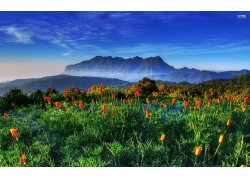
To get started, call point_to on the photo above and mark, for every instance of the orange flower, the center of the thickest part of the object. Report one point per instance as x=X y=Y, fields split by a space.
x=14 y=133
x=124 y=101
x=58 y=105
x=5 y=115
x=67 y=107
x=221 y=138
x=65 y=92
x=218 y=100
x=147 y=113
x=188 y=100
x=76 y=103
x=173 y=100
x=104 y=109
x=100 y=92
x=112 y=96
x=209 y=103
x=153 y=101
x=185 y=103
x=13 y=105
x=147 y=100
x=81 y=105
x=245 y=99
x=164 y=105
x=229 y=97
x=198 y=150
x=163 y=137
x=93 y=101
x=198 y=104
x=44 y=97
x=235 y=109
x=243 y=165
x=228 y=122
x=48 y=99
x=22 y=160
x=245 y=121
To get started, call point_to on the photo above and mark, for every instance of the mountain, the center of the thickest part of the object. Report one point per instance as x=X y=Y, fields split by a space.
x=60 y=82
x=134 y=69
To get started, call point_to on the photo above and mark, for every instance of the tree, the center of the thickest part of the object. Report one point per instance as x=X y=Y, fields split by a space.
x=147 y=86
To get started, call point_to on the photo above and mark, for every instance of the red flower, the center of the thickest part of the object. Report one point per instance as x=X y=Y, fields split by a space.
x=153 y=101
x=198 y=104
x=209 y=103
x=44 y=97
x=245 y=99
x=228 y=122
x=5 y=115
x=138 y=93
x=58 y=105
x=130 y=102
x=67 y=107
x=13 y=105
x=218 y=100
x=48 y=99
x=14 y=133
x=229 y=97
x=65 y=92
x=147 y=100
x=124 y=101
x=73 y=99
x=164 y=105
x=93 y=102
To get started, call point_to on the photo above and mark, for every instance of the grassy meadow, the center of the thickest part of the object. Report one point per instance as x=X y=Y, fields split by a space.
x=111 y=127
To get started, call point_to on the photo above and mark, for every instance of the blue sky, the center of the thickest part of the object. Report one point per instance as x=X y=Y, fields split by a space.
x=37 y=44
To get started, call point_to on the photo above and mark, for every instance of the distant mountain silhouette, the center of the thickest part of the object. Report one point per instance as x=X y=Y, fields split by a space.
x=60 y=82
x=134 y=69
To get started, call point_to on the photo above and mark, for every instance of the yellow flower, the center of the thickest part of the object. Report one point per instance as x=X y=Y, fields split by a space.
x=221 y=138
x=163 y=137
x=198 y=150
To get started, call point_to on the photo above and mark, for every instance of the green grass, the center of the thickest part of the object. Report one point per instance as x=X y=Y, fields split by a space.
x=123 y=137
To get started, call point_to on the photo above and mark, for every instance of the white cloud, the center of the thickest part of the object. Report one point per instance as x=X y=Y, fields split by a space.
x=19 y=36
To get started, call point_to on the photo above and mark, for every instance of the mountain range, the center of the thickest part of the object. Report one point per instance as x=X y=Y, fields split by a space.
x=134 y=69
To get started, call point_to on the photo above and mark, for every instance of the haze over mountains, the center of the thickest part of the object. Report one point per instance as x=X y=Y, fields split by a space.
x=134 y=69
x=117 y=72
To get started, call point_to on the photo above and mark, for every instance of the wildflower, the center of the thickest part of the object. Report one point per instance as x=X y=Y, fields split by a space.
x=208 y=103
x=198 y=150
x=185 y=103
x=81 y=105
x=130 y=102
x=243 y=165
x=147 y=113
x=14 y=133
x=76 y=103
x=235 y=109
x=153 y=101
x=245 y=121
x=243 y=109
x=65 y=92
x=13 y=105
x=147 y=100
x=124 y=101
x=163 y=137
x=228 y=122
x=221 y=138
x=100 y=91
x=229 y=97
x=245 y=99
x=58 y=105
x=104 y=109
x=67 y=107
x=173 y=100
x=5 y=115
x=112 y=96
x=44 y=97
x=198 y=104
x=22 y=160
x=138 y=93
x=48 y=99
x=93 y=101
x=164 y=105
x=73 y=99
x=218 y=100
